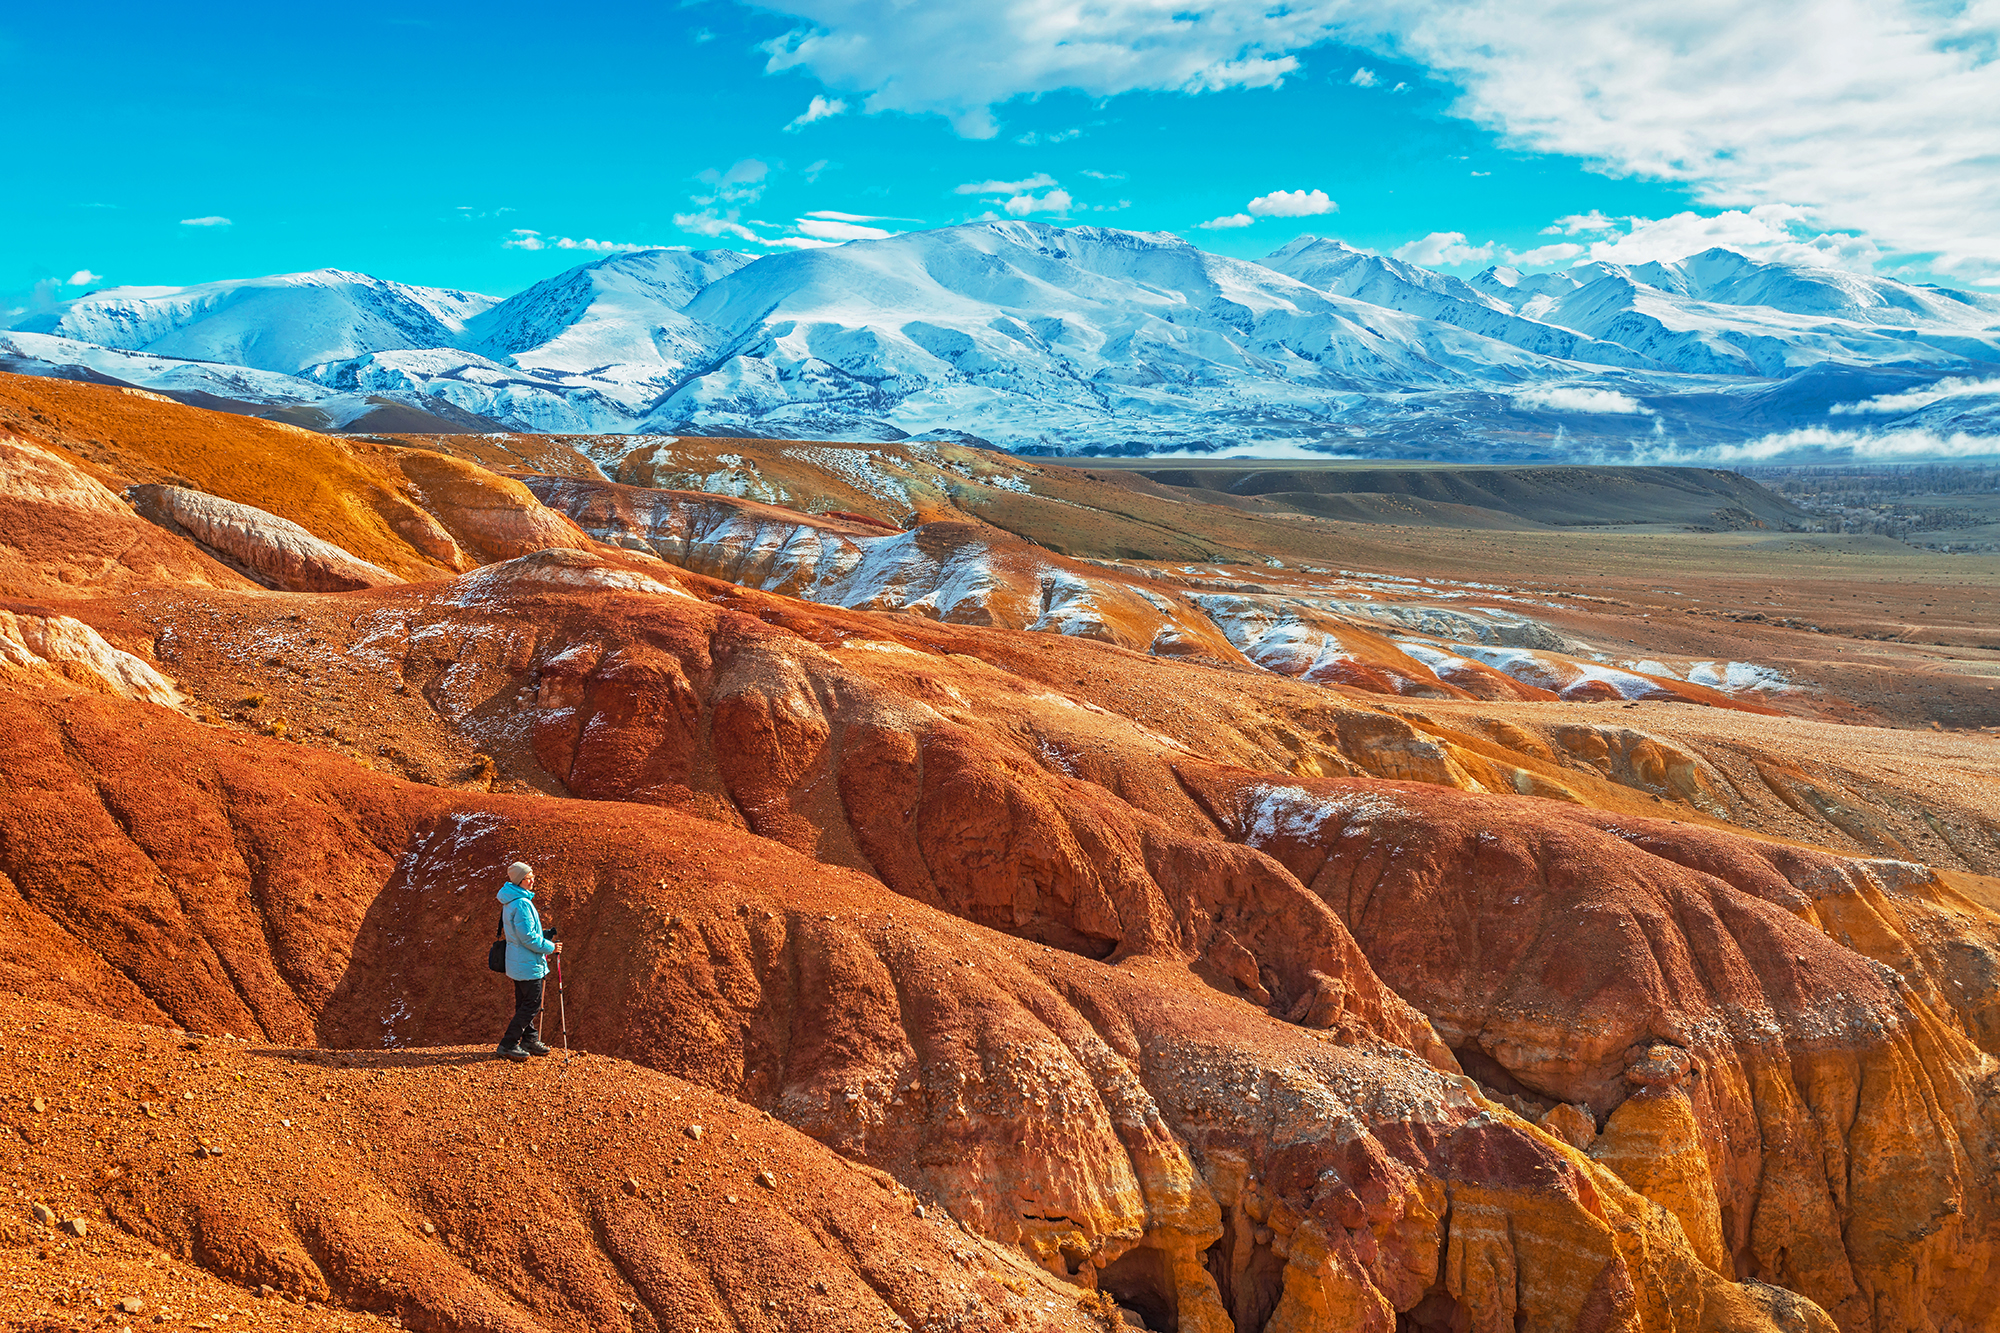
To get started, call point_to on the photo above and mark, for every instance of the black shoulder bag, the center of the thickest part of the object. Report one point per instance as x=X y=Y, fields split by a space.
x=496 y=957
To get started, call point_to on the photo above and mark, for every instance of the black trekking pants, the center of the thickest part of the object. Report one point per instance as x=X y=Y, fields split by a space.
x=527 y=1008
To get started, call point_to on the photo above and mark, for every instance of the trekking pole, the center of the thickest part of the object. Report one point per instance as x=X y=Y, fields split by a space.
x=562 y=1008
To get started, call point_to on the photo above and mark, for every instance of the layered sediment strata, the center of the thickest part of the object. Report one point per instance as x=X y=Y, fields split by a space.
x=1846 y=1109
x=1136 y=1132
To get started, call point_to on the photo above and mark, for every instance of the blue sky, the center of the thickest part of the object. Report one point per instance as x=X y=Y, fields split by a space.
x=460 y=146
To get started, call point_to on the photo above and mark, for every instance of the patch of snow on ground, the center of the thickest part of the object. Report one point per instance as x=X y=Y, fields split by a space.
x=1294 y=812
x=488 y=586
x=1439 y=661
x=859 y=468
x=895 y=574
x=1069 y=606
x=1733 y=677
x=1560 y=674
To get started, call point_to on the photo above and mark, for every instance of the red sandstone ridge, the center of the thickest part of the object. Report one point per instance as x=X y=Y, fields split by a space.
x=1128 y=1128
x=1030 y=953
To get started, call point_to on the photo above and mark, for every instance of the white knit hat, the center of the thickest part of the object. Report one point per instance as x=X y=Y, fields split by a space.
x=519 y=872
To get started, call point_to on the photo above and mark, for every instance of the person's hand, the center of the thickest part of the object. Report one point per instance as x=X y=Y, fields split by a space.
x=558 y=948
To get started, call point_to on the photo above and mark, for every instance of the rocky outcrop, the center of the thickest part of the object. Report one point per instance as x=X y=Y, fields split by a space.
x=66 y=648
x=1808 y=1020
x=271 y=550
x=63 y=533
x=484 y=516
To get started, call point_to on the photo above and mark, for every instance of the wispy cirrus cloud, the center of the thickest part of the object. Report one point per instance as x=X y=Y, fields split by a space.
x=1541 y=256
x=742 y=182
x=829 y=229
x=708 y=222
x=1039 y=180
x=1021 y=199
x=211 y=221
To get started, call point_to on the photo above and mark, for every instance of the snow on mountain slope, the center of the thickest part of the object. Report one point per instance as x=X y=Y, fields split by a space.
x=1080 y=340
x=526 y=399
x=623 y=310
x=1033 y=334
x=45 y=354
x=1721 y=313
x=285 y=323
x=1379 y=280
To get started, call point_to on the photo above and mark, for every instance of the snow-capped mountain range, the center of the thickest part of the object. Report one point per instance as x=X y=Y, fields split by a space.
x=1076 y=340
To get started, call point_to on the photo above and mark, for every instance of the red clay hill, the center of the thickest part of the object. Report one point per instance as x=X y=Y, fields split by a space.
x=926 y=971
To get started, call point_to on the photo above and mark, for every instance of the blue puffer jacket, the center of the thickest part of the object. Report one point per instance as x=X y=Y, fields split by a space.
x=527 y=948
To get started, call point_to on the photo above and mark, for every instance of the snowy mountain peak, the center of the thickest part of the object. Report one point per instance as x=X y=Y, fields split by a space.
x=625 y=308
x=1071 y=339
x=285 y=323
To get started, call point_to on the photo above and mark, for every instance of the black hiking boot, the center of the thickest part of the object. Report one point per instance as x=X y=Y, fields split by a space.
x=514 y=1053
x=534 y=1045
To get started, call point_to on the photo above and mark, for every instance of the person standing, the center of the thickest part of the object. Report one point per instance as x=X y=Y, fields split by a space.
x=528 y=952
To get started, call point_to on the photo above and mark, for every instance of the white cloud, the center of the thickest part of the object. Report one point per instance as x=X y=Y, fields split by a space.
x=1577 y=224
x=960 y=61
x=1821 y=443
x=833 y=216
x=83 y=277
x=1105 y=175
x=1292 y=204
x=1568 y=398
x=1891 y=404
x=794 y=242
x=1443 y=247
x=1776 y=233
x=1364 y=78
x=1227 y=220
x=1055 y=201
x=826 y=229
x=1037 y=181
x=1558 y=253
x=820 y=108
x=602 y=247
x=1878 y=113
x=710 y=223
x=524 y=238
x=207 y=222
x=742 y=183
